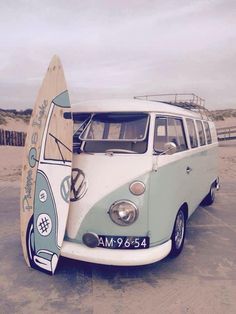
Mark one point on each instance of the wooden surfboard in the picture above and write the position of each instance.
(46, 173)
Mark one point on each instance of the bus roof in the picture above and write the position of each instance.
(131, 105)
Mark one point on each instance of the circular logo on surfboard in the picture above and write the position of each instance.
(32, 157)
(43, 196)
(44, 224)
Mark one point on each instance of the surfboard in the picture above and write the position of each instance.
(46, 173)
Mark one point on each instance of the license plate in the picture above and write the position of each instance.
(119, 242)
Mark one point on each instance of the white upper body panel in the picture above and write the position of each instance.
(131, 105)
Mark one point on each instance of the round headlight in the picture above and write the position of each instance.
(137, 188)
(123, 213)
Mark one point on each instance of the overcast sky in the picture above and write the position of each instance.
(119, 48)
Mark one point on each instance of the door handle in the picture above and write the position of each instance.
(188, 170)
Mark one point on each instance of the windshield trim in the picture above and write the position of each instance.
(86, 121)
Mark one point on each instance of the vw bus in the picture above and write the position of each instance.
(140, 169)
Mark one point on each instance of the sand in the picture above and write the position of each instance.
(10, 163)
(226, 123)
(10, 156)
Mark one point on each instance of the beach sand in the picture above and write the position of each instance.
(10, 156)
(10, 163)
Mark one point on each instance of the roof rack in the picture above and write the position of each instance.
(187, 101)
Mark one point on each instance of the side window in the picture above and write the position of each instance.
(160, 137)
(176, 134)
(208, 132)
(169, 130)
(201, 133)
(192, 133)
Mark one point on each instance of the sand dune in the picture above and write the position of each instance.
(15, 124)
(226, 123)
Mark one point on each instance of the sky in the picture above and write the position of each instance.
(119, 48)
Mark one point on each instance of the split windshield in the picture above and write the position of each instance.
(116, 132)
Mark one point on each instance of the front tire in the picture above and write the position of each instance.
(178, 234)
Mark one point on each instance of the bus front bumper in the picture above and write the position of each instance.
(115, 257)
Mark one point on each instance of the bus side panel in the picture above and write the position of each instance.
(172, 186)
(166, 196)
(203, 162)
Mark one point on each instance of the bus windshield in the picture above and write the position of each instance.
(120, 132)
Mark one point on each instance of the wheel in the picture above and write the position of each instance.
(178, 234)
(209, 199)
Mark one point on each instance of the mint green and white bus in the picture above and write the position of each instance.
(140, 169)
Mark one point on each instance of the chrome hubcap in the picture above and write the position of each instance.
(179, 229)
(212, 193)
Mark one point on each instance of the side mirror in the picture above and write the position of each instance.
(170, 148)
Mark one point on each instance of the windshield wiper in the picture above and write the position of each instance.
(57, 141)
(119, 150)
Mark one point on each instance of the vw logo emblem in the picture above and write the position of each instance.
(79, 184)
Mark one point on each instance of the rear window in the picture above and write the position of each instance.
(201, 133)
(192, 133)
(208, 132)
(168, 129)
